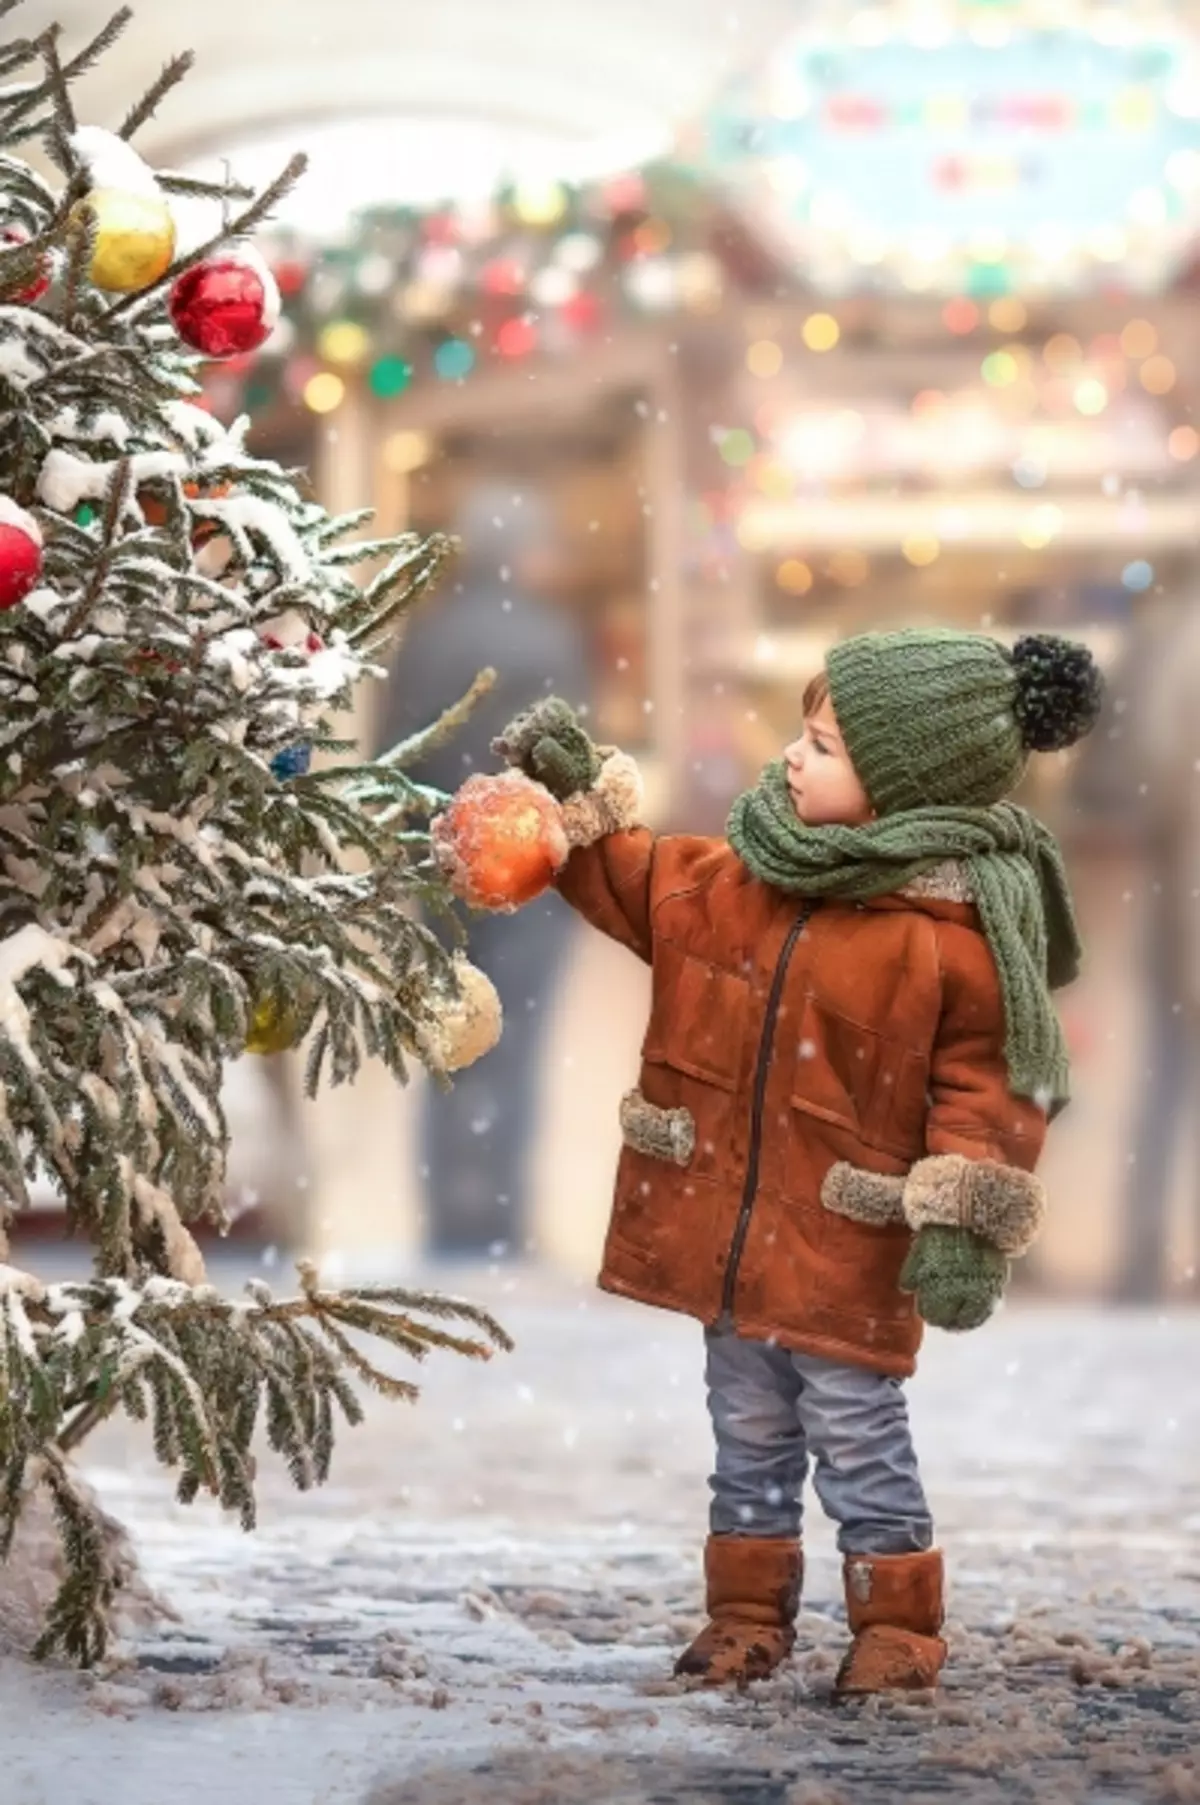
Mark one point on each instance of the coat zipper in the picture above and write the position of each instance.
(761, 1074)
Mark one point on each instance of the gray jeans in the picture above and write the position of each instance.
(771, 1410)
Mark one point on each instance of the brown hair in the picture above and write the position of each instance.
(816, 694)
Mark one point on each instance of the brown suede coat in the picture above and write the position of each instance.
(867, 1032)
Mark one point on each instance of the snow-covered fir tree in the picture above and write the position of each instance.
(178, 882)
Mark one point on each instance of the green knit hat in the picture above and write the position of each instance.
(933, 718)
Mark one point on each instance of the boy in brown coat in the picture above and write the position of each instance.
(850, 1061)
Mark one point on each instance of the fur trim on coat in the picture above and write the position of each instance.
(612, 805)
(1001, 1204)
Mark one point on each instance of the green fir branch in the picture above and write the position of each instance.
(175, 71)
(205, 1370)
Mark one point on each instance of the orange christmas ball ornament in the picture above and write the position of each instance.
(501, 841)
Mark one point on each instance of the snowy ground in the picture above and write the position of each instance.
(485, 1604)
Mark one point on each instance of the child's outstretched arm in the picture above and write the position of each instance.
(973, 1200)
(607, 876)
(617, 868)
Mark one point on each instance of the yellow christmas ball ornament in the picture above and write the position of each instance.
(272, 1029)
(134, 241)
(464, 1027)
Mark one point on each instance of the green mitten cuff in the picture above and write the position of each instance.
(548, 743)
(957, 1277)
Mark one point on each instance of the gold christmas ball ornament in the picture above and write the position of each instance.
(134, 238)
(273, 1029)
(467, 1026)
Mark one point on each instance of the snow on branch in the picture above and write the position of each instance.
(20, 953)
(205, 1368)
(66, 480)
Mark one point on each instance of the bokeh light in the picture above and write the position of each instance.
(849, 568)
(324, 392)
(405, 452)
(453, 360)
(821, 332)
(737, 447)
(390, 377)
(999, 369)
(516, 338)
(794, 576)
(1157, 375)
(960, 316)
(1091, 396)
(540, 203)
(344, 342)
(1139, 339)
(764, 358)
(1008, 314)
(1062, 352)
(1042, 525)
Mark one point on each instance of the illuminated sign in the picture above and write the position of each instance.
(964, 149)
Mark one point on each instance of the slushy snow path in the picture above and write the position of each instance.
(485, 1603)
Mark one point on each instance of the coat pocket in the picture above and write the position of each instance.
(836, 1068)
(903, 1102)
(861, 1081)
(698, 1018)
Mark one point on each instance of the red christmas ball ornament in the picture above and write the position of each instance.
(20, 553)
(33, 291)
(290, 632)
(226, 306)
(312, 642)
(501, 841)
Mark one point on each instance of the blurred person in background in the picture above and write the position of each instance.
(476, 1139)
(1136, 791)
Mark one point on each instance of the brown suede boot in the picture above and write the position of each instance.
(753, 1585)
(894, 1603)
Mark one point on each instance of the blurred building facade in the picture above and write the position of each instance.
(902, 330)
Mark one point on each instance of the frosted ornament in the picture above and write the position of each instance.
(466, 1026)
(134, 240)
(273, 1029)
(133, 227)
(501, 841)
(293, 761)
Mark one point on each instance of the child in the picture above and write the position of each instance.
(851, 1057)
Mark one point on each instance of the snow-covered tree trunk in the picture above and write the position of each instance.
(34, 1572)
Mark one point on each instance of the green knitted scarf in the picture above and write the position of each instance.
(1016, 872)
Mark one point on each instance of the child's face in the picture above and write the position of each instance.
(825, 788)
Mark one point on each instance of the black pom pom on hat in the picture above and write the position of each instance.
(1059, 691)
